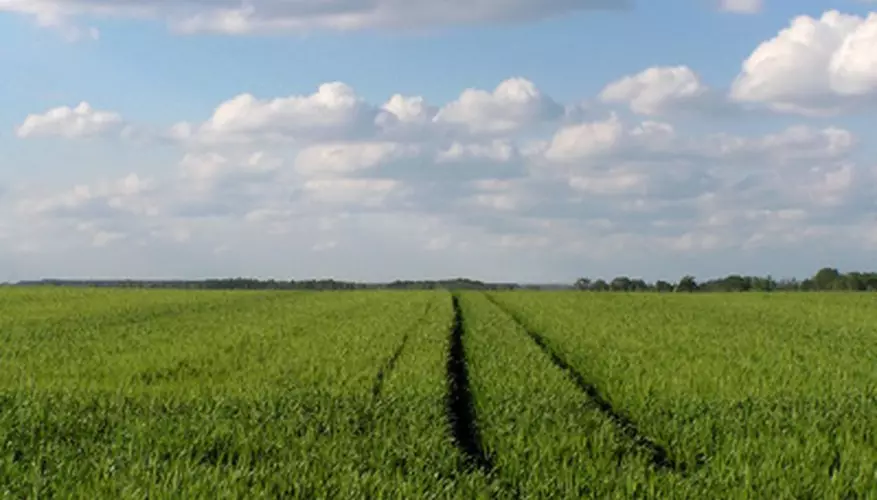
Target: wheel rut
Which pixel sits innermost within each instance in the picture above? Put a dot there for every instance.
(391, 362)
(460, 406)
(388, 367)
(659, 456)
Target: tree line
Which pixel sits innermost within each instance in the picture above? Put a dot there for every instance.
(826, 279)
(271, 284)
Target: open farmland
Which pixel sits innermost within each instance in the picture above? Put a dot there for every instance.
(135, 393)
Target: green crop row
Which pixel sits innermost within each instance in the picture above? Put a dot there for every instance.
(382, 394)
(27, 305)
(275, 398)
(766, 396)
(544, 435)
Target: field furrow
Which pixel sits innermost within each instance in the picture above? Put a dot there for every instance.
(433, 394)
(410, 451)
(542, 433)
(660, 457)
(771, 399)
(259, 401)
(461, 408)
(391, 362)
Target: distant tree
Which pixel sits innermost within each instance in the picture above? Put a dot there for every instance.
(788, 285)
(620, 284)
(600, 286)
(639, 285)
(807, 285)
(663, 286)
(855, 281)
(687, 284)
(583, 284)
(736, 283)
(766, 284)
(827, 278)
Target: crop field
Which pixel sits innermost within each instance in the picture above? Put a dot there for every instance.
(431, 394)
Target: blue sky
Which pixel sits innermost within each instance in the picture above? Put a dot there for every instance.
(534, 143)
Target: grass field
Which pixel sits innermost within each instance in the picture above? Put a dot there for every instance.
(425, 394)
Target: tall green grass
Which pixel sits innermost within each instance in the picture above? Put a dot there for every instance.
(253, 396)
(543, 435)
(773, 396)
(181, 394)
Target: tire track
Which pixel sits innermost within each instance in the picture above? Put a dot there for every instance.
(368, 416)
(460, 407)
(659, 456)
(391, 362)
(388, 367)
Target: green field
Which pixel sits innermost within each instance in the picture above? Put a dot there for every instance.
(428, 394)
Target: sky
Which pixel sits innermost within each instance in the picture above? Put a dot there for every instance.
(373, 140)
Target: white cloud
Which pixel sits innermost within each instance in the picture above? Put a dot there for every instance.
(815, 66)
(742, 6)
(336, 113)
(659, 89)
(400, 110)
(279, 16)
(791, 145)
(70, 123)
(825, 186)
(576, 142)
(496, 151)
(370, 193)
(103, 238)
(323, 246)
(72, 33)
(203, 166)
(128, 195)
(333, 111)
(502, 195)
(615, 182)
(205, 169)
(502, 178)
(612, 140)
(339, 158)
(54, 15)
(496, 201)
(515, 103)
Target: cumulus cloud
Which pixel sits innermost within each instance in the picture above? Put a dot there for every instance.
(128, 195)
(408, 109)
(208, 168)
(815, 66)
(741, 6)
(333, 111)
(334, 159)
(612, 139)
(71, 123)
(367, 193)
(582, 141)
(405, 117)
(278, 16)
(796, 143)
(496, 150)
(661, 89)
(501, 195)
(514, 103)
(651, 169)
(505, 172)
